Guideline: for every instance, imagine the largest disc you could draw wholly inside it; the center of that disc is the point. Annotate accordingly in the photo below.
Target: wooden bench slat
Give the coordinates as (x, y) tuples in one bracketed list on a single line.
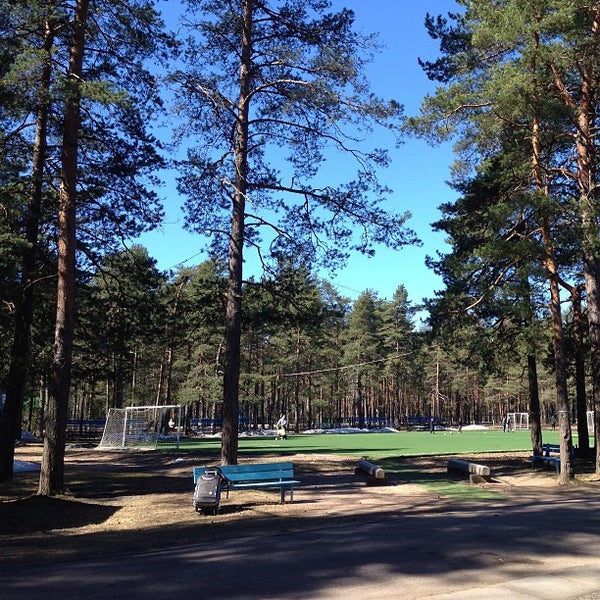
[(258, 476), (282, 466)]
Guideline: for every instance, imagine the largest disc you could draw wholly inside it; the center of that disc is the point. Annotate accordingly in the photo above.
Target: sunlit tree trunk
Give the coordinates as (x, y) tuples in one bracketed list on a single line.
[(582, 102), (582, 427), (229, 442), (562, 398), (10, 425), (52, 469)]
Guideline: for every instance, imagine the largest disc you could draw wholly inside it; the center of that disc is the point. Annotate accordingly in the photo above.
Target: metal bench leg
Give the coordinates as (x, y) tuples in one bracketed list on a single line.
[(282, 489)]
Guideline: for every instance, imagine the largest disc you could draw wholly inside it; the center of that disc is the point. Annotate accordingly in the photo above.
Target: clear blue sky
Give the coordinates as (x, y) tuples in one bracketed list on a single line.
[(417, 175)]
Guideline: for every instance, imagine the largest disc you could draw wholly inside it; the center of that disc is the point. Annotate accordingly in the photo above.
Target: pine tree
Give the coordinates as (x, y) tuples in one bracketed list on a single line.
[(27, 62), (105, 156), (499, 61), (278, 75)]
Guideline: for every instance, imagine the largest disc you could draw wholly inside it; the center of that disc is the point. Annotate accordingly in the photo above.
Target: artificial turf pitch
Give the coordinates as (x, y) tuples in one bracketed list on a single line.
[(375, 445)]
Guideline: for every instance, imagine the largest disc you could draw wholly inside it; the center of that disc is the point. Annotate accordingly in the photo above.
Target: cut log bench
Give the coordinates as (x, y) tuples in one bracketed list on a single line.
[(477, 473), (373, 474)]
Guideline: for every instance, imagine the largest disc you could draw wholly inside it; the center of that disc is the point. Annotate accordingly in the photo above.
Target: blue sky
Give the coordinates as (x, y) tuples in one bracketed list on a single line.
[(417, 175)]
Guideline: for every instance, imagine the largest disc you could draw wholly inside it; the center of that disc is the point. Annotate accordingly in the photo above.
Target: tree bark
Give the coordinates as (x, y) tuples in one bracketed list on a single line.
[(52, 469), (583, 104), (231, 376), (583, 434), (586, 155), (10, 426), (562, 396), (534, 405)]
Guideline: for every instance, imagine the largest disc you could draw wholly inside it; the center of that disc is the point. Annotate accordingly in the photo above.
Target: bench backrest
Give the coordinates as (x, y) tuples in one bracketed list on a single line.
[(551, 447), (258, 472), (246, 473)]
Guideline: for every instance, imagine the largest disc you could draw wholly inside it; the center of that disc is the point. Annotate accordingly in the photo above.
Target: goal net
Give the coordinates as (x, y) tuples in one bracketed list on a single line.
[(518, 420), (140, 426)]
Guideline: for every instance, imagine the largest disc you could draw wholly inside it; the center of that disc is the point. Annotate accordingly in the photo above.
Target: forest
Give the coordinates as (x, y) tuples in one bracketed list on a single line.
[(88, 322)]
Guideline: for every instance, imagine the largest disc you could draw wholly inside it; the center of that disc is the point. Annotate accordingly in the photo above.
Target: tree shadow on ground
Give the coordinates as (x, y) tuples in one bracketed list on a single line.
[(39, 513)]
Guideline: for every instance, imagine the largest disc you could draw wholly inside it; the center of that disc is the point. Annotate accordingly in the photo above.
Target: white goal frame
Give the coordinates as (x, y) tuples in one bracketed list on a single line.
[(140, 426), (518, 420)]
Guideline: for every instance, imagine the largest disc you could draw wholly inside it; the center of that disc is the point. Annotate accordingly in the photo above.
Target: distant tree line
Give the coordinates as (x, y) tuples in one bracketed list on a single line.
[(144, 337)]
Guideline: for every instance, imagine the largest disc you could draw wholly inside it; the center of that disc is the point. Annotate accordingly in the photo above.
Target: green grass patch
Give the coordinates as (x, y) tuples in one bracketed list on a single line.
[(374, 446), (438, 483)]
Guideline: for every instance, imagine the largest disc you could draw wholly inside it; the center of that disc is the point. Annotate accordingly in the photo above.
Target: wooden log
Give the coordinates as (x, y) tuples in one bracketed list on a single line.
[(455, 464), (371, 469)]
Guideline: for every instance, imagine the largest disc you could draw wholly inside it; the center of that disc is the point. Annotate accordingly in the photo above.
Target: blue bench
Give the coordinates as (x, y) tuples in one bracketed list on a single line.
[(255, 475), (549, 456)]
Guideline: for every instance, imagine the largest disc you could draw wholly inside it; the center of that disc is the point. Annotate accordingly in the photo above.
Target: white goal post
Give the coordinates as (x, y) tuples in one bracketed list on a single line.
[(518, 420), (590, 421), (141, 426)]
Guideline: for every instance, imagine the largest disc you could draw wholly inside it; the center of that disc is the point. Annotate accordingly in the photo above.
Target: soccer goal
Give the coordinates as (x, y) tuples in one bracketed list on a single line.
[(141, 426), (518, 420)]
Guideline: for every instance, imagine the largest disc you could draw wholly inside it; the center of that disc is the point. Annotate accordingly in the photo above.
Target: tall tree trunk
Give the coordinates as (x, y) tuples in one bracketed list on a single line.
[(586, 157), (358, 412), (297, 351), (10, 426), (590, 235), (170, 341), (582, 102), (538, 177), (535, 422), (583, 434), (52, 470), (534, 405), (592, 277), (231, 376), (562, 396)]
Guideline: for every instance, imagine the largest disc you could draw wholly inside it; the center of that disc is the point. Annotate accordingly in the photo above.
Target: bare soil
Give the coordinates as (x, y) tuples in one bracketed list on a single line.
[(126, 502)]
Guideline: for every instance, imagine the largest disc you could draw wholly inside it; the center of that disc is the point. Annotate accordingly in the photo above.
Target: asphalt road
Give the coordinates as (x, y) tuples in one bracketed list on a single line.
[(542, 545)]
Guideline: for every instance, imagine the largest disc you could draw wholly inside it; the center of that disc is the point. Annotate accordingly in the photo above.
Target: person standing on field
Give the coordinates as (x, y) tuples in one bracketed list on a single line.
[(281, 428)]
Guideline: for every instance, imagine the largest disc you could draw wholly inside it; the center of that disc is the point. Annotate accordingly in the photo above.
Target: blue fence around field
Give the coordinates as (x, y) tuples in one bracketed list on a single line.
[(93, 428), (422, 422), (85, 428), (209, 425), (369, 422)]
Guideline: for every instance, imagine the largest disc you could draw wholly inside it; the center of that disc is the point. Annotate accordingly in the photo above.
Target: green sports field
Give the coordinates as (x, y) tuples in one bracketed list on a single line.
[(376, 445), (387, 450)]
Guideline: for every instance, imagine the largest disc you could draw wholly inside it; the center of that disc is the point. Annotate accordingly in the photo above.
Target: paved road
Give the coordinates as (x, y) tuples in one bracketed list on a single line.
[(532, 547)]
